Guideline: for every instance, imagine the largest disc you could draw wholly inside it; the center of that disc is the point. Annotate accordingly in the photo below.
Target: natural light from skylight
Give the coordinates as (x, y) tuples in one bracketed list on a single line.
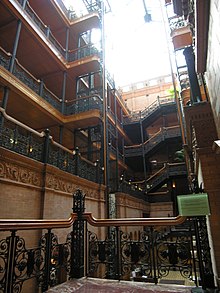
[(135, 50)]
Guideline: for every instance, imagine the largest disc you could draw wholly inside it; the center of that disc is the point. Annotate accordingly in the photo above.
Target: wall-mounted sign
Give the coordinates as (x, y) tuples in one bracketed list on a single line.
[(193, 204)]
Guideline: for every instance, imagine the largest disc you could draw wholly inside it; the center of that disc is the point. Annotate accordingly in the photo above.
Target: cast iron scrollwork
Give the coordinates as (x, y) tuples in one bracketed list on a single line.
[(174, 253), (27, 263), (135, 255), (102, 252)]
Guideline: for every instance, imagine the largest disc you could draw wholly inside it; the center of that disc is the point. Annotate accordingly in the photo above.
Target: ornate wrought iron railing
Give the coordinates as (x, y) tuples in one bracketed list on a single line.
[(70, 14), (84, 104), (24, 140), (183, 77), (177, 22), (42, 262), (92, 5), (71, 107), (154, 253), (83, 52), (162, 135), (74, 55), (169, 170), (152, 108), (28, 79), (162, 246)]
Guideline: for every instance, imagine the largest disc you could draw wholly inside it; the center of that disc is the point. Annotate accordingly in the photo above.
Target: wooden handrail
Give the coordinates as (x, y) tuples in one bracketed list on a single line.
[(161, 130), (83, 98), (40, 134), (168, 221), (29, 224)]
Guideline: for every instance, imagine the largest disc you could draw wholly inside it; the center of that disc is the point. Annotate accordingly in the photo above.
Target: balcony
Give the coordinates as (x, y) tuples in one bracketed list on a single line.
[(181, 37), (41, 147), (48, 48)]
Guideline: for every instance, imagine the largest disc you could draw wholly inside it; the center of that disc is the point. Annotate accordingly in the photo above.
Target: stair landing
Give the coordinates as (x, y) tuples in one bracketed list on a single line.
[(91, 285)]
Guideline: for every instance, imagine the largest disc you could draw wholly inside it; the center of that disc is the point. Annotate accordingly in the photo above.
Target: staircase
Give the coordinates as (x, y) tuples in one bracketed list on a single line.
[(162, 135), (165, 173), (160, 103)]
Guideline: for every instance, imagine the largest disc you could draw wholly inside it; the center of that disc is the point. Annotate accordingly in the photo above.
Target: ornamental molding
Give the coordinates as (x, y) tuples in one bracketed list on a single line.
[(129, 201), (20, 169), (16, 173)]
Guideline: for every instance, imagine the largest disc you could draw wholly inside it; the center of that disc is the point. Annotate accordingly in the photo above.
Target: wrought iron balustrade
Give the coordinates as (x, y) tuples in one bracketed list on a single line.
[(21, 139), (44, 29), (93, 5), (183, 77), (169, 170), (71, 55), (24, 140), (90, 171), (83, 52), (25, 77), (133, 189), (159, 247), (29, 80), (42, 262), (154, 141), (35, 18), (77, 106), (4, 58), (150, 255), (70, 14), (148, 111), (177, 22), (84, 104), (114, 151)]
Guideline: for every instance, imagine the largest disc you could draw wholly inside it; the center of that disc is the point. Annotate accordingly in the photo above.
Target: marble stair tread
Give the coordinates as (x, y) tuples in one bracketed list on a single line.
[(92, 285)]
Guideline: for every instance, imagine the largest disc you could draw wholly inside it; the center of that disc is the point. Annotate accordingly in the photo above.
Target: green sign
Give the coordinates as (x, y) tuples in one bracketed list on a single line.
[(193, 204)]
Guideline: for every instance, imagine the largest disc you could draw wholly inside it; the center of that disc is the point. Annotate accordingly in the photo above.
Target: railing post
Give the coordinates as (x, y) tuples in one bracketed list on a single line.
[(118, 253), (46, 279), (9, 276), (46, 146), (203, 251), (47, 31), (77, 266), (153, 255), (76, 153), (24, 4), (41, 88), (97, 165), (158, 100)]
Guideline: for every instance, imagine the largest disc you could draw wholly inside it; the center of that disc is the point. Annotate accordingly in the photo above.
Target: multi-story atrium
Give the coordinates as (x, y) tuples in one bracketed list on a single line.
[(117, 159)]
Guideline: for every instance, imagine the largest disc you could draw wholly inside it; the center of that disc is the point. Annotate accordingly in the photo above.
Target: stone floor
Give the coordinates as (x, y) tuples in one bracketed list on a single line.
[(90, 285)]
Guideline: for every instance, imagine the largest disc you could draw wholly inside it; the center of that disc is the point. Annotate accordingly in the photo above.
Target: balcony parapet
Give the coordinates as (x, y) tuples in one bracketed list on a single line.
[(20, 138), (70, 107), (68, 55), (182, 37), (94, 6), (180, 32)]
